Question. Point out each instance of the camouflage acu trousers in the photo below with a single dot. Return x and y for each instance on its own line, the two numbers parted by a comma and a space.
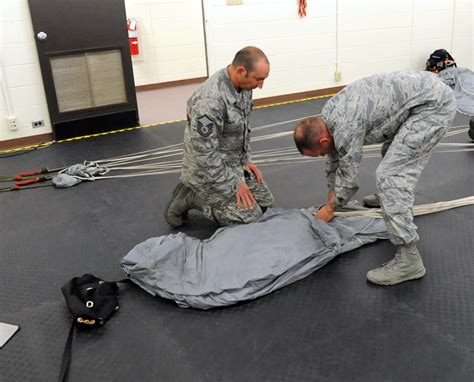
226, 212
404, 161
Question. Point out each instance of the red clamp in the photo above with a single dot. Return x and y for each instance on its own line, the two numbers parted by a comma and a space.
34, 172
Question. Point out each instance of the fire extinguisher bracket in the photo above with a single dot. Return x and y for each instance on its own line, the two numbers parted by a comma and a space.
132, 26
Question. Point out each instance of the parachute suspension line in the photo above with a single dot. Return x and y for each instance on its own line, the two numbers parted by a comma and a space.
160, 149
159, 161
419, 210
272, 156
283, 122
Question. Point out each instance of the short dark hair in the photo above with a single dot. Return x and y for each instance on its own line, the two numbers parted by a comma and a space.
248, 57
308, 132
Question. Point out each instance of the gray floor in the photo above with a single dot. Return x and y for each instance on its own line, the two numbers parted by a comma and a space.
331, 326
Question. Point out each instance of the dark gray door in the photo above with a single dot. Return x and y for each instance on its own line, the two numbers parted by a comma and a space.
86, 65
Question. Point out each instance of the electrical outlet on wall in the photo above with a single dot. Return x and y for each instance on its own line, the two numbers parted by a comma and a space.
338, 75
234, 2
38, 123
12, 123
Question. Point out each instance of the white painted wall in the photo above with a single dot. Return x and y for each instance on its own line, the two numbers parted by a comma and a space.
171, 37
20, 74
373, 36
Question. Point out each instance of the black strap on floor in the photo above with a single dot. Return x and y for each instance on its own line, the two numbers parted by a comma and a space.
67, 353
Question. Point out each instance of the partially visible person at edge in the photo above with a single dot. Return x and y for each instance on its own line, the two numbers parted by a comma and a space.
409, 112
218, 176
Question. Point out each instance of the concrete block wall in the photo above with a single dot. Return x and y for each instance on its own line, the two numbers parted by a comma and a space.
171, 39
357, 37
301, 51
20, 74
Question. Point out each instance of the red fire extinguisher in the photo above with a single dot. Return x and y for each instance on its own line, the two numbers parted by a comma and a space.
132, 27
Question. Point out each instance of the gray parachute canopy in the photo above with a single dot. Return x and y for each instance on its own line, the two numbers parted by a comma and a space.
461, 80
243, 262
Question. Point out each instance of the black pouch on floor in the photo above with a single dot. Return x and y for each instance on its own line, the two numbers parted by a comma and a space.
91, 301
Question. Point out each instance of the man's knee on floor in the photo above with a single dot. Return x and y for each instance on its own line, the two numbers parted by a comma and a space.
233, 215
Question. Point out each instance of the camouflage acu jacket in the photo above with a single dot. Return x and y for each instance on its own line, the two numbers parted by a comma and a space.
371, 110
217, 137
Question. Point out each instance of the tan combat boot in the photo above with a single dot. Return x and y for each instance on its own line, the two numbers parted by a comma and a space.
406, 265
182, 201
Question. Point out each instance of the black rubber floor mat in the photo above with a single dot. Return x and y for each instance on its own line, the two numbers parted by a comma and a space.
331, 326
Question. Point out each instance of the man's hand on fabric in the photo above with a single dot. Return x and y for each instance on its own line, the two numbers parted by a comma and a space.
244, 196
251, 168
326, 213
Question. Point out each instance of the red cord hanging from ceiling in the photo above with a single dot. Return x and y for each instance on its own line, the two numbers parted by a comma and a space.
302, 8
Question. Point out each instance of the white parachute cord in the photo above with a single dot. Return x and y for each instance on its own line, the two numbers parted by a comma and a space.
419, 210
296, 160
287, 133
271, 136
143, 173
176, 149
151, 151
178, 146
268, 158
277, 149
282, 123
273, 156
456, 132
130, 158
446, 144
146, 167
145, 160
453, 151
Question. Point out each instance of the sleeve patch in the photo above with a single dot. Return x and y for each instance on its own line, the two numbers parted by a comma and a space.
342, 152
205, 126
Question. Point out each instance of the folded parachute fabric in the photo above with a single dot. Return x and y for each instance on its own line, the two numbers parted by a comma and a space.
76, 174
461, 80
243, 262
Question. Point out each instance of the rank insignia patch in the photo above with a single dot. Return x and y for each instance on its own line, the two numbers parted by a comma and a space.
205, 126
342, 152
